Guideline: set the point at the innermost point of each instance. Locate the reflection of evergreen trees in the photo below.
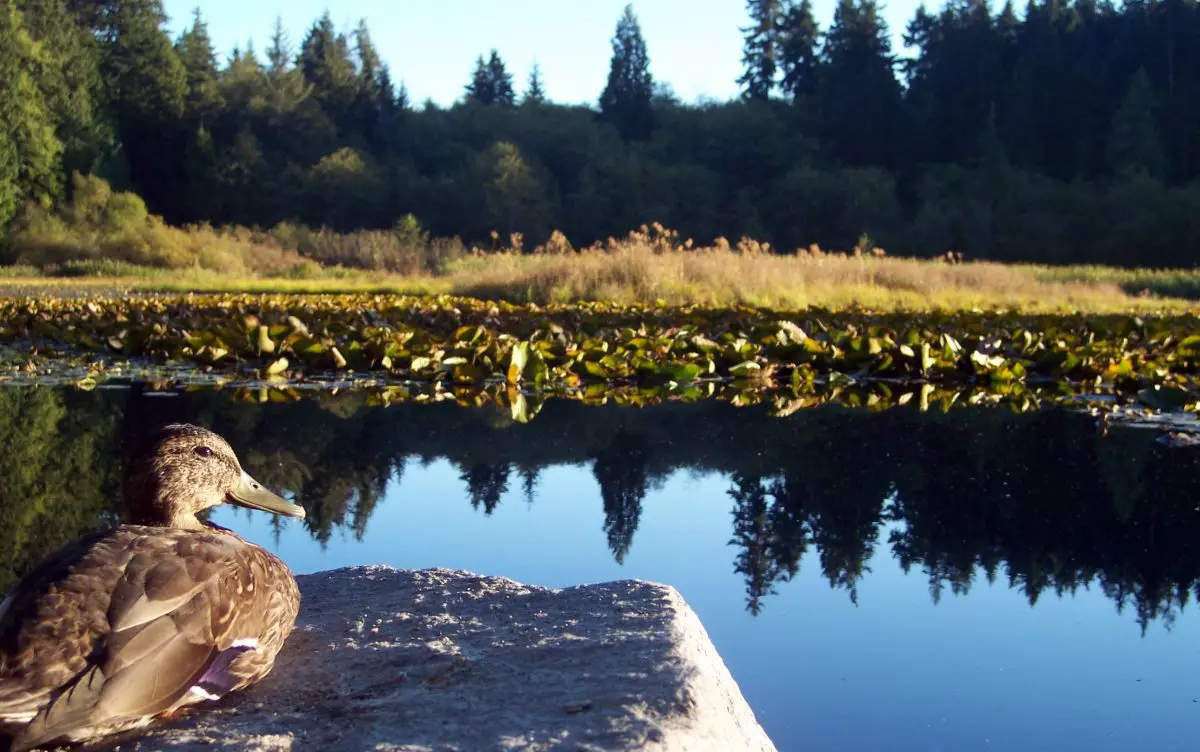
(620, 469)
(1042, 502)
(58, 477)
(771, 539)
(486, 483)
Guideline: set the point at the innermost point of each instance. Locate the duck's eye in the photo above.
(204, 451)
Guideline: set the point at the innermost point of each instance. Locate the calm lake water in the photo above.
(976, 580)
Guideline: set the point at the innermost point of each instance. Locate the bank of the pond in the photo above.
(390, 659)
(637, 271)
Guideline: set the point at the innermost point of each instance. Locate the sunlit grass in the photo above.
(648, 267)
(721, 277)
(1180, 283)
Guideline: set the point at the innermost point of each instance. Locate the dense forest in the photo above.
(1060, 132)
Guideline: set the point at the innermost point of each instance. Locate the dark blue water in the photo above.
(895, 581)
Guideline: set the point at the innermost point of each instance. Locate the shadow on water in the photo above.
(1041, 501)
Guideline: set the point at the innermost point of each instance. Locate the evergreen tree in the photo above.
(286, 88)
(799, 47)
(279, 54)
(326, 63)
(389, 102)
(30, 152)
(1134, 145)
(480, 89)
(402, 99)
(761, 49)
(148, 89)
(146, 78)
(625, 101)
(369, 63)
(244, 85)
(386, 138)
(286, 84)
(860, 98)
(370, 99)
(200, 65)
(501, 81)
(535, 93)
(955, 80)
(491, 83)
(71, 84)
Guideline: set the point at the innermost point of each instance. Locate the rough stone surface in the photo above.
(386, 659)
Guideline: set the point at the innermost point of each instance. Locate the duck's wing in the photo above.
(172, 613)
(39, 650)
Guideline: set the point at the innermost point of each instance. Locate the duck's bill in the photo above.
(250, 493)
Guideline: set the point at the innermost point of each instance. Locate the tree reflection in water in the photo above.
(1042, 501)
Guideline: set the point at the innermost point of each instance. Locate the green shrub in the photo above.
(405, 249)
(23, 270)
(112, 230)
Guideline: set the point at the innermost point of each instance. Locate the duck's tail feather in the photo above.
(71, 709)
(18, 703)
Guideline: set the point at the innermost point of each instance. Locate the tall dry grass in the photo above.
(105, 234)
(650, 265)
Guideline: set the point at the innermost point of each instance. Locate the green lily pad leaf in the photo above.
(277, 367)
(744, 368)
(927, 359)
(595, 369)
(1189, 347)
(536, 369)
(682, 372)
(308, 346)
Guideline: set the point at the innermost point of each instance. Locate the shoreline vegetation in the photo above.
(452, 344)
(103, 239)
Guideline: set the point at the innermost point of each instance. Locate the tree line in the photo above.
(1065, 133)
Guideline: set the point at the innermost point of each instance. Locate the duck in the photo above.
(127, 626)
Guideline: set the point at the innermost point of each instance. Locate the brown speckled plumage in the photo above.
(122, 626)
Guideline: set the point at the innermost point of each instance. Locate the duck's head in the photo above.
(184, 469)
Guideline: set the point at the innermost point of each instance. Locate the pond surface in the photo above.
(899, 580)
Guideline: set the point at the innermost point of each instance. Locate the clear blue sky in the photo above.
(695, 45)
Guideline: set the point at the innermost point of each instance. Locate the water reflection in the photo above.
(1042, 501)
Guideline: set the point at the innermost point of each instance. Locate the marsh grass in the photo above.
(633, 273)
(105, 239)
(1168, 283)
(715, 276)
